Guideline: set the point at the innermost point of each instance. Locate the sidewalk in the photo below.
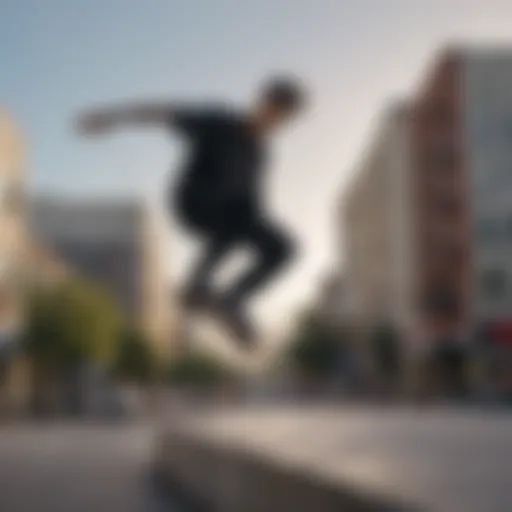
(317, 459)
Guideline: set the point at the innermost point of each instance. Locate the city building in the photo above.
(376, 223)
(13, 236)
(428, 217)
(44, 267)
(117, 243)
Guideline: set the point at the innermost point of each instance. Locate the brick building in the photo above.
(428, 217)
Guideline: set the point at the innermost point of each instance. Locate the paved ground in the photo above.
(444, 460)
(77, 468)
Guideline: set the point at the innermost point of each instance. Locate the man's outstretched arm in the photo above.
(101, 120)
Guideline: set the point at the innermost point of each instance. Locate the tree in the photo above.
(387, 356)
(315, 347)
(386, 351)
(135, 360)
(72, 323)
(196, 368)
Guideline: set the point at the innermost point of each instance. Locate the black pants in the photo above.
(226, 225)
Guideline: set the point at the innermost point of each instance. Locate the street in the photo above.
(450, 460)
(78, 468)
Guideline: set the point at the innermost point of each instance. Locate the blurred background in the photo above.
(398, 183)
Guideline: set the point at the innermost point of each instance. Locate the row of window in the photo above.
(495, 283)
(442, 158)
(444, 300)
(447, 204)
(495, 231)
(494, 131)
(441, 114)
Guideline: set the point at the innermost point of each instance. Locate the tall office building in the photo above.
(462, 156)
(375, 219)
(434, 249)
(117, 243)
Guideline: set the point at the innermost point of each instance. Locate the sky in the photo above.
(59, 56)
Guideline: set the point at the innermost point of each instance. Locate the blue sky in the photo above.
(57, 56)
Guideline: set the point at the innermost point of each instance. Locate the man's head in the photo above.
(280, 99)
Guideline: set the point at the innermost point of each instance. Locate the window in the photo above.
(508, 228)
(488, 231)
(494, 231)
(448, 252)
(495, 283)
(441, 115)
(442, 158)
(442, 300)
(448, 204)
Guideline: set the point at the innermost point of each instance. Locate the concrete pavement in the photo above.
(439, 460)
(77, 468)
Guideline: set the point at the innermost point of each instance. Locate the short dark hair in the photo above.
(285, 92)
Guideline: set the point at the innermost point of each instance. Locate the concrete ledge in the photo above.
(211, 476)
(326, 459)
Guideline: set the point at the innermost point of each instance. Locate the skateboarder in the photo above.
(219, 196)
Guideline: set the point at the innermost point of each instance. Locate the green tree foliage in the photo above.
(386, 350)
(136, 360)
(196, 368)
(71, 323)
(315, 347)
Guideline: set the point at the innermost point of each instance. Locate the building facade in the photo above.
(13, 237)
(462, 156)
(428, 217)
(488, 117)
(376, 225)
(117, 243)
(13, 232)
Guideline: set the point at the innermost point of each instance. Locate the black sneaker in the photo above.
(238, 324)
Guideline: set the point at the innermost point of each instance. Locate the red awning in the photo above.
(501, 332)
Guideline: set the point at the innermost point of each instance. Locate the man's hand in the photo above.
(98, 122)
(95, 122)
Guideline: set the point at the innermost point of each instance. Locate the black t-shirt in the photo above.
(225, 158)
